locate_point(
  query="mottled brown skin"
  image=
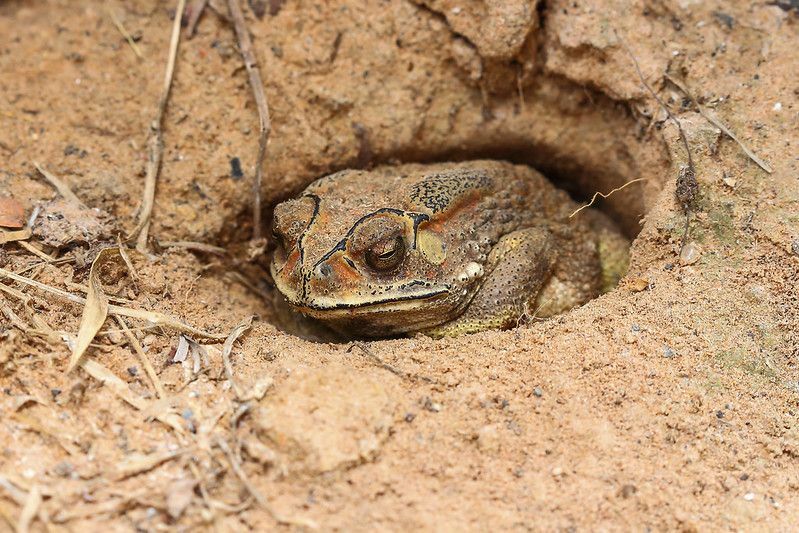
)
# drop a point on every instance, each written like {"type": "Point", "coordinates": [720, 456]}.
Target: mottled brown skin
{"type": "Point", "coordinates": [443, 249]}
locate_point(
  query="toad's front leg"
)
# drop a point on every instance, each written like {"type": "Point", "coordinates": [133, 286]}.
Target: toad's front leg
{"type": "Point", "coordinates": [517, 267]}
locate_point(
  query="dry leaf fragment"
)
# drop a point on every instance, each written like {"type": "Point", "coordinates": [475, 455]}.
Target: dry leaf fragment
{"type": "Point", "coordinates": [94, 312]}
{"type": "Point", "coordinates": [12, 214]}
{"type": "Point", "coordinates": [182, 350]}
{"type": "Point", "coordinates": [228, 347]}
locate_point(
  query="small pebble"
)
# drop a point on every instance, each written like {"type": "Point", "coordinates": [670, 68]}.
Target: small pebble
{"type": "Point", "coordinates": [410, 417]}
{"type": "Point", "coordinates": [795, 247]}
{"type": "Point", "coordinates": [133, 371]}
{"type": "Point", "coordinates": [668, 352]}
{"type": "Point", "coordinates": [749, 496]}
{"type": "Point", "coordinates": [63, 469]}
{"type": "Point", "coordinates": [430, 405]}
{"type": "Point", "coordinates": [690, 253]}
{"type": "Point", "coordinates": [537, 392]}
{"type": "Point", "coordinates": [777, 106]}
{"type": "Point", "coordinates": [235, 168]}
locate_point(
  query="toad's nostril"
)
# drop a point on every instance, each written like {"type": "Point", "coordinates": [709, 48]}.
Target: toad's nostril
{"type": "Point", "coordinates": [325, 270]}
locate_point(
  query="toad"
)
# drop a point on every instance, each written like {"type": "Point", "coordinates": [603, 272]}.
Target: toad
{"type": "Point", "coordinates": [442, 249]}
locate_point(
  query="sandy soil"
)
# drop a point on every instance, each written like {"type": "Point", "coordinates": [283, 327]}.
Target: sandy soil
{"type": "Point", "coordinates": [670, 403]}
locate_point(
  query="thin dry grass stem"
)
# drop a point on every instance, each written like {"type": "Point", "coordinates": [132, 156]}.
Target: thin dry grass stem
{"type": "Point", "coordinates": [142, 463]}
{"type": "Point", "coordinates": [14, 318]}
{"type": "Point", "coordinates": [19, 295]}
{"type": "Point", "coordinates": [196, 10]}
{"type": "Point", "coordinates": [121, 389]}
{"type": "Point", "coordinates": [58, 184]}
{"type": "Point", "coordinates": [125, 33]}
{"type": "Point", "coordinates": [35, 251]}
{"type": "Point", "coordinates": [123, 253]}
{"type": "Point", "coordinates": [145, 362]}
{"type": "Point", "coordinates": [265, 124]}
{"type": "Point", "coordinates": [686, 180]}
{"type": "Point", "coordinates": [15, 235]}
{"type": "Point", "coordinates": [660, 102]}
{"type": "Point", "coordinates": [30, 510]}
{"type": "Point", "coordinates": [720, 125]}
{"type": "Point", "coordinates": [84, 289]}
{"type": "Point", "coordinates": [41, 286]}
{"type": "Point", "coordinates": [155, 142]}
{"type": "Point", "coordinates": [5, 514]}
{"type": "Point", "coordinates": [235, 465]}
{"type": "Point", "coordinates": [191, 245]}
{"type": "Point", "coordinates": [604, 195]}
{"type": "Point", "coordinates": [153, 317]}
{"type": "Point", "coordinates": [228, 347]}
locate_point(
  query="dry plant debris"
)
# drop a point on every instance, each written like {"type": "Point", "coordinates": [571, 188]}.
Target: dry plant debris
{"type": "Point", "coordinates": [708, 115]}
{"type": "Point", "coordinates": [604, 195]}
{"type": "Point", "coordinates": [95, 310]}
{"type": "Point", "coordinates": [155, 143]}
{"type": "Point", "coordinates": [264, 122]}
{"type": "Point", "coordinates": [121, 28]}
{"type": "Point", "coordinates": [12, 214]}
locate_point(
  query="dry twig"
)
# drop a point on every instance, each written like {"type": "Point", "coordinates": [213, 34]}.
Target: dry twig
{"type": "Point", "coordinates": [145, 362]}
{"type": "Point", "coordinates": [195, 12]}
{"type": "Point", "coordinates": [191, 245]}
{"type": "Point", "coordinates": [235, 465]}
{"type": "Point", "coordinates": [719, 124]}
{"type": "Point", "coordinates": [59, 185]}
{"type": "Point", "coordinates": [265, 125]}
{"type": "Point", "coordinates": [687, 186]}
{"type": "Point", "coordinates": [30, 510]}
{"type": "Point", "coordinates": [14, 235]}
{"type": "Point", "coordinates": [125, 34]}
{"type": "Point", "coordinates": [155, 142]}
{"type": "Point", "coordinates": [603, 195]}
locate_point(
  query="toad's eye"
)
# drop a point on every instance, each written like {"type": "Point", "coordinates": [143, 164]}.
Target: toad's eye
{"type": "Point", "coordinates": [386, 255]}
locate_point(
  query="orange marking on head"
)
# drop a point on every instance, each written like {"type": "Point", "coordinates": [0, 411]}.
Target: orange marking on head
{"type": "Point", "coordinates": [291, 261]}
{"type": "Point", "coordinates": [465, 203]}
{"type": "Point", "coordinates": [343, 272]}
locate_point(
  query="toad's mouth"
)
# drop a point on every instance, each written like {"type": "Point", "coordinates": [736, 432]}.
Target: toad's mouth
{"type": "Point", "coordinates": [331, 307]}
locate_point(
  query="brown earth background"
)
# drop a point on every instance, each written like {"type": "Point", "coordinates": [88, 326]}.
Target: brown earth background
{"type": "Point", "coordinates": [669, 403]}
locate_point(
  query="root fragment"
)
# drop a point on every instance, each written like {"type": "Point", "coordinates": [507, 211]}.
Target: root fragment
{"type": "Point", "coordinates": [265, 124]}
